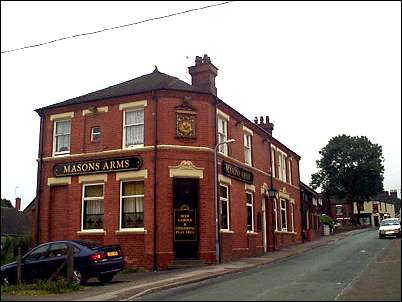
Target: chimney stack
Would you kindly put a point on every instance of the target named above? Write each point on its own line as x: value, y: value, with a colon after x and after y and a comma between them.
x: 203, y: 74
x: 393, y: 194
x: 18, y: 203
x: 267, y: 126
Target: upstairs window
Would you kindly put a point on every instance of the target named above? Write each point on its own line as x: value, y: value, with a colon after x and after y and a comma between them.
x: 282, y: 166
x: 247, y: 148
x: 222, y: 134
x: 62, y: 133
x: 95, y: 134
x: 283, y: 215
x: 133, y: 132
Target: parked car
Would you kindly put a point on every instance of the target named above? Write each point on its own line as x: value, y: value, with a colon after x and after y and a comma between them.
x: 390, y: 227
x: 90, y: 260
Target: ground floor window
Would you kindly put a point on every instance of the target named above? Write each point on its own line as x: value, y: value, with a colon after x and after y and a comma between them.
x: 132, y: 204
x: 292, y: 220
x: 93, y: 206
x: 250, y: 218
x: 283, y: 215
x: 224, y: 200
x: 275, y: 215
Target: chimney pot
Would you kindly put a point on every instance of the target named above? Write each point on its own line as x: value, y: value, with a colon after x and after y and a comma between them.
x: 261, y: 120
x: 256, y: 120
x: 203, y: 74
x: 267, y: 119
x: 18, y: 203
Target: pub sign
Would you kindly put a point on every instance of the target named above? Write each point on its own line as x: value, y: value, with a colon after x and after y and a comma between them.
x: 98, y: 166
x: 185, y: 226
x: 236, y: 172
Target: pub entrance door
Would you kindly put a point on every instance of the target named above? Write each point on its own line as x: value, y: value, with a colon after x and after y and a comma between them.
x: 185, y: 218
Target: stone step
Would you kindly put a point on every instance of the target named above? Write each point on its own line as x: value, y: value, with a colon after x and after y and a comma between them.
x: 186, y: 263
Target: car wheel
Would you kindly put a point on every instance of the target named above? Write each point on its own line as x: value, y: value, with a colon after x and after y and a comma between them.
x: 5, y: 281
x: 106, y: 278
x: 79, y: 278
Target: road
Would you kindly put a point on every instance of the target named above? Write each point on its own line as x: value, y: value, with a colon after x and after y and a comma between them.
x: 359, y: 267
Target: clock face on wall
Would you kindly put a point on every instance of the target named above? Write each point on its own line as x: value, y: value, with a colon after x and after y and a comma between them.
x: 185, y: 126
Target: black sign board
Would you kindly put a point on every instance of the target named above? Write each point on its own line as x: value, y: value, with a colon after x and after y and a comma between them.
x: 236, y: 172
x: 98, y: 166
x: 185, y: 226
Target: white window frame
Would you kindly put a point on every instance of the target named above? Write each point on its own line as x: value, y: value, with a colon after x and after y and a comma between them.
x: 54, y: 137
x: 222, y: 148
x: 283, y: 209
x: 121, y: 204
x: 93, y: 133
x: 247, y: 148
x: 227, y: 204
x: 276, y: 214
x: 252, y: 211
x: 92, y: 198
x: 137, y: 124
x: 282, y: 166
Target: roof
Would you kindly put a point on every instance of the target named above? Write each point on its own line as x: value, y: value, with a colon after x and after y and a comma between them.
x: 14, y: 222
x: 146, y: 83
x: 303, y: 186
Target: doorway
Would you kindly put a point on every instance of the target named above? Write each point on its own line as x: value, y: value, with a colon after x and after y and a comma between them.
x: 185, y: 218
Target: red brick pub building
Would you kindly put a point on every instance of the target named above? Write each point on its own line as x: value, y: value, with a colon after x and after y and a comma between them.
x: 133, y: 164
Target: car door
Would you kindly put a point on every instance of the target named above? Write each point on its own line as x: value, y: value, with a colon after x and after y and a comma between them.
x: 57, y: 255
x: 32, y: 263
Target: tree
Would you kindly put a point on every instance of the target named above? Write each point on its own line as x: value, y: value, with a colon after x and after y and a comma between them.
x: 5, y: 203
x: 350, y: 168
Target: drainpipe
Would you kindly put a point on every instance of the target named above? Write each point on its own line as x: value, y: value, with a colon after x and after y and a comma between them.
x: 155, y: 135
x: 273, y: 200
x: 38, y: 178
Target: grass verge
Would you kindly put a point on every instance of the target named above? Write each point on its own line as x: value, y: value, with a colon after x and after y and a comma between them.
x: 59, y: 286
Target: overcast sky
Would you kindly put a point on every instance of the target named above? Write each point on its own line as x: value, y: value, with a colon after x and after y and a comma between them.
x: 318, y: 69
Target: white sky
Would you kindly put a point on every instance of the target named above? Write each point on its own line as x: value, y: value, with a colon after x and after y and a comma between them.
x: 318, y: 69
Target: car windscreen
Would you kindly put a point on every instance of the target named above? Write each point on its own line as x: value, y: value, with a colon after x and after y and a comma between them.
x: 389, y: 222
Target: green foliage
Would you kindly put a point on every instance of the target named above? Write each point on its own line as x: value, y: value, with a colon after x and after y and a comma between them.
x: 326, y: 220
x: 9, y: 247
x: 350, y: 168
x: 58, y: 286
x: 5, y: 203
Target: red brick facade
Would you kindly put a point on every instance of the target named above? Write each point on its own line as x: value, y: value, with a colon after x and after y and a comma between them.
x: 166, y: 156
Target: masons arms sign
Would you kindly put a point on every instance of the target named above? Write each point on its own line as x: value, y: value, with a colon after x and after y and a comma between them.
x: 236, y: 172
x: 98, y: 166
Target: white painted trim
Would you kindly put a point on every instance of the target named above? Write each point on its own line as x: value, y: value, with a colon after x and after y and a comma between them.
x: 222, y: 114
x: 252, y: 233
x: 59, y: 116
x: 252, y: 211
x: 249, y: 131
x: 131, y: 231
x: 92, y: 178
x: 59, y: 181
x: 98, y: 110
x: 186, y: 169
x: 248, y: 187
x: 92, y: 232
x: 226, y: 231
x: 132, y: 105
x: 225, y: 180
x: 141, y: 174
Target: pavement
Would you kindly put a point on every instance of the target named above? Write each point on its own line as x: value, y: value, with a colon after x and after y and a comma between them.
x: 127, y: 286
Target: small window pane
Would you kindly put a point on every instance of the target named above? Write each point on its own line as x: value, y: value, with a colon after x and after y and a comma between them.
x: 95, y: 133
x: 94, y: 191
x: 223, y: 192
x: 63, y: 127
x: 133, y: 188
x: 135, y: 117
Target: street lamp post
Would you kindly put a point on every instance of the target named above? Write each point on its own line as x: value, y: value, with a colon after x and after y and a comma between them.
x: 217, y: 207
x: 271, y: 194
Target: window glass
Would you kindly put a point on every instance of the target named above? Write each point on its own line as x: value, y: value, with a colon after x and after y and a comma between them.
x: 38, y: 253
x: 249, y: 203
x: 95, y: 133
x: 93, y: 207
x: 58, y: 250
x: 132, y: 204
x: 222, y: 134
x: 223, y: 197
x: 247, y: 148
x: 134, y: 127
x: 62, y: 136
x: 283, y: 215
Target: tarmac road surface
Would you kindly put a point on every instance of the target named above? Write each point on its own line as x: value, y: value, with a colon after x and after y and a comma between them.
x: 359, y: 267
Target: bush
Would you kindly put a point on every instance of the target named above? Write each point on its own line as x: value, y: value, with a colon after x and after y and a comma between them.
x: 326, y: 220
x: 9, y: 247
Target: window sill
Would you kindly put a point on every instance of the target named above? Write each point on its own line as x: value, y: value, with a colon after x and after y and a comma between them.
x: 61, y: 154
x: 133, y: 147
x: 131, y: 231
x: 252, y: 233
x: 286, y: 232
x: 92, y: 232
x: 226, y: 231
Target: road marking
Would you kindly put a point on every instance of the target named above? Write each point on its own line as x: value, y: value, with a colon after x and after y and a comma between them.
x: 363, y: 251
